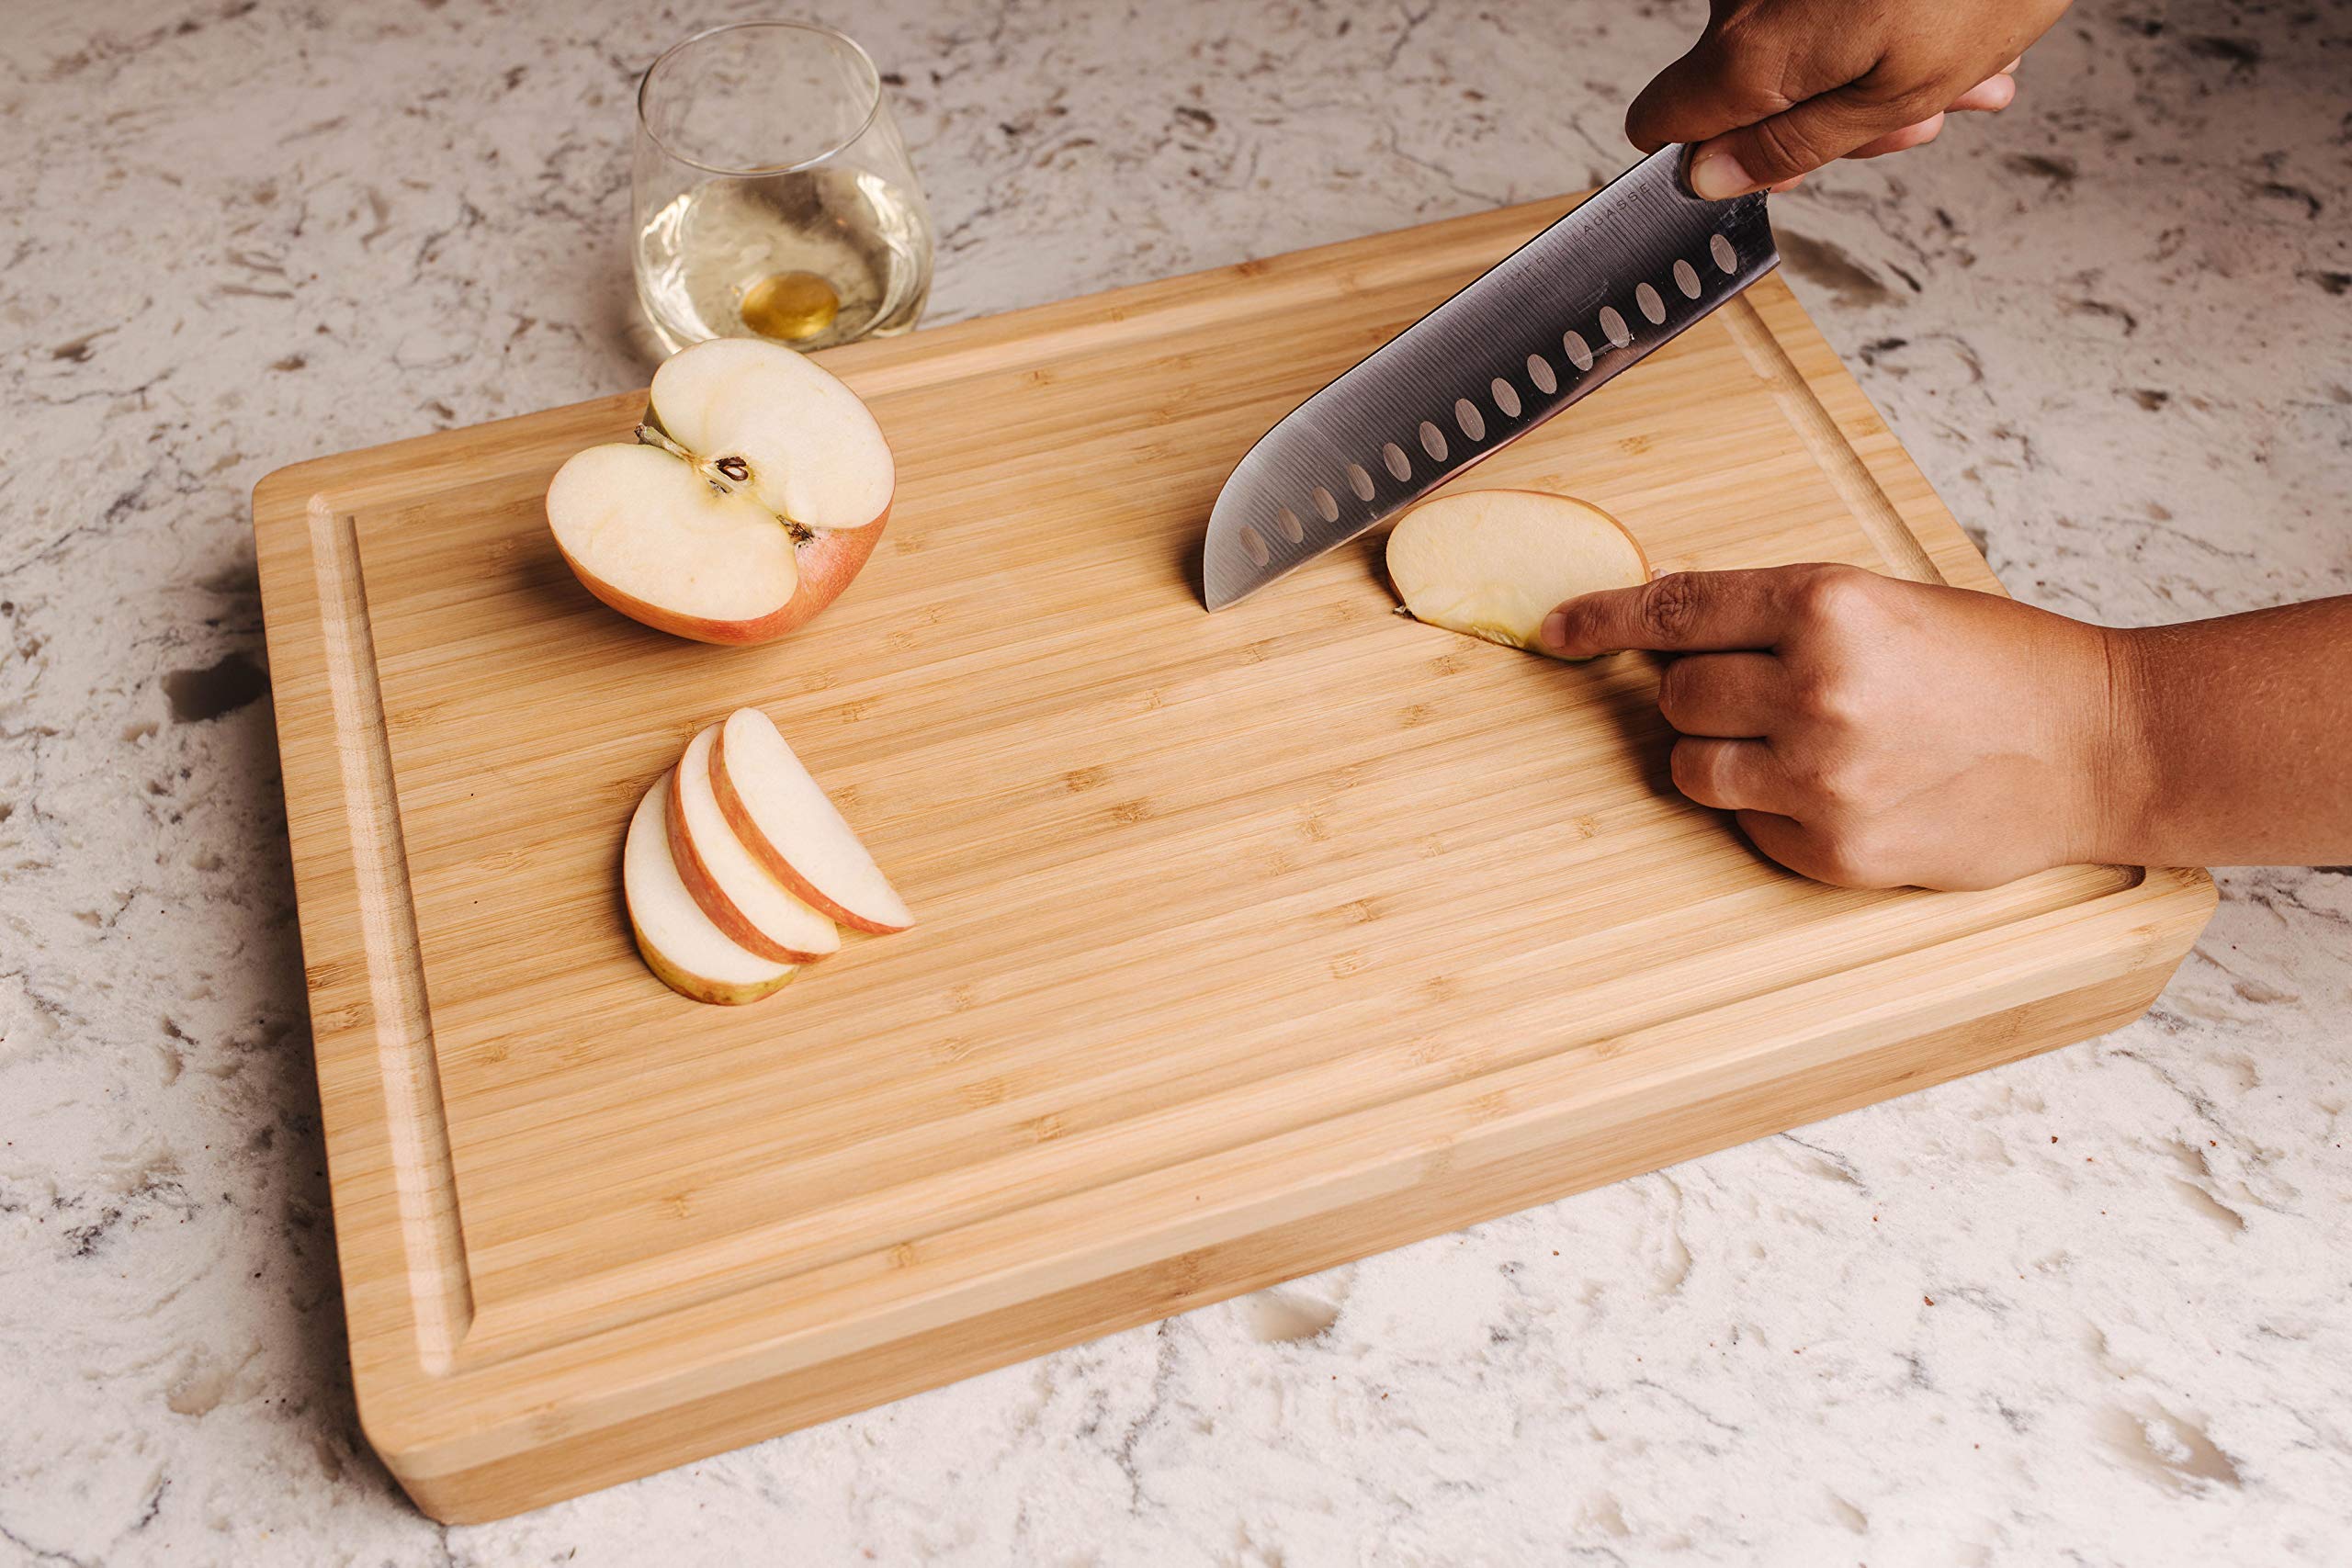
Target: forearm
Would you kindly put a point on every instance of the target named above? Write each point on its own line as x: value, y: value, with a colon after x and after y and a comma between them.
x: 2231, y: 741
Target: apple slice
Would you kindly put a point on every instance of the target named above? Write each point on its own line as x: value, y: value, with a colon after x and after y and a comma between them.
x: 681, y: 946
x: 758, y: 489
x: 783, y: 817
x: 754, y: 908
x: 1493, y: 563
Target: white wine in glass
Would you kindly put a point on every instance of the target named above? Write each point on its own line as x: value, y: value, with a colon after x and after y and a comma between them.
x: 773, y: 198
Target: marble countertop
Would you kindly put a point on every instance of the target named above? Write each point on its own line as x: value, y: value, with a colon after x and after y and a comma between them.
x: 2091, y: 1308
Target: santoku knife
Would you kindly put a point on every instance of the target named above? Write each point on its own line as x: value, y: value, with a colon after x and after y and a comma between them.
x: 1637, y: 264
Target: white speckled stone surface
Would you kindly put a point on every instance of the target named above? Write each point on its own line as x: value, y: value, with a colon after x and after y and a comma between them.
x: 2093, y: 1309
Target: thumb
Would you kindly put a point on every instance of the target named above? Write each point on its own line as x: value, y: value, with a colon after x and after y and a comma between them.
x: 1802, y: 139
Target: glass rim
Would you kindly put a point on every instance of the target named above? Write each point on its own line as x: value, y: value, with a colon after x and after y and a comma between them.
x: 856, y: 50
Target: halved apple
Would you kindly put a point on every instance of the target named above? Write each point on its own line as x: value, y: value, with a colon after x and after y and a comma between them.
x: 682, y: 946
x: 792, y: 827
x: 1493, y: 563
x: 757, y: 490
x: 741, y: 899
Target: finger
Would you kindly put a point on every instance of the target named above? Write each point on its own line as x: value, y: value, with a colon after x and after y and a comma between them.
x: 1683, y: 612
x: 1730, y: 775
x: 1799, y: 140
x: 1699, y: 96
x: 1902, y: 140
x: 1805, y: 850
x: 1785, y: 839
x: 1989, y: 96
x: 1733, y: 696
x: 1736, y: 76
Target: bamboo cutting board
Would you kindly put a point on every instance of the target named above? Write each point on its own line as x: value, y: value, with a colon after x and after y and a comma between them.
x: 1249, y: 944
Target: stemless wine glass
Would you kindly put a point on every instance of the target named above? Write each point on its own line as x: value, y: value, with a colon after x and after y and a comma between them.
x: 772, y: 195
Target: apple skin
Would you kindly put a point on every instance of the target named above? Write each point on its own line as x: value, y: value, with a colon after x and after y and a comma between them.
x: 827, y: 564
x: 747, y: 832
x: 696, y: 986
x: 655, y: 898
x: 706, y: 891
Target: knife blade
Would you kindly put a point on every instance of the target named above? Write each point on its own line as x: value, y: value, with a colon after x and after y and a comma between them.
x: 1637, y: 263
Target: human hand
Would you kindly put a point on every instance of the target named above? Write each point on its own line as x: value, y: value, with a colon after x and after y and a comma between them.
x: 1873, y: 732
x: 1774, y: 89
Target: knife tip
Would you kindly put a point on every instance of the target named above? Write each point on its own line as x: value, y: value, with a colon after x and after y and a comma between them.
x: 1221, y: 589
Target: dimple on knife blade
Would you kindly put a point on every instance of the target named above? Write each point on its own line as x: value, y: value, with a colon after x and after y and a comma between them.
x: 1635, y: 265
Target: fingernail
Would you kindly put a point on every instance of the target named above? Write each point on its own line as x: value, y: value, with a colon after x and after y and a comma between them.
x: 1717, y: 176
x: 1554, y: 631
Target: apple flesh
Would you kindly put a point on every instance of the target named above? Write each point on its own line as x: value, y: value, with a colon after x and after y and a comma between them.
x: 1493, y: 563
x: 792, y: 828
x: 759, y: 488
x: 751, y: 906
x: 680, y: 944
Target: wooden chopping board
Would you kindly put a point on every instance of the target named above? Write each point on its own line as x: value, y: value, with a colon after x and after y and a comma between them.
x: 1249, y: 943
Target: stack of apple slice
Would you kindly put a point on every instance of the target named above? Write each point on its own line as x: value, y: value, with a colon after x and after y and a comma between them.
x: 738, y: 866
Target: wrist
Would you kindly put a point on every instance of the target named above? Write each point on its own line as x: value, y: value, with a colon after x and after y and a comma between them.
x: 2125, y: 768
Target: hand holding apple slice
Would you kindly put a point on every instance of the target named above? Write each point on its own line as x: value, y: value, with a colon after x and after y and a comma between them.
x: 680, y: 944
x: 757, y: 490
x: 1493, y: 563
x: 791, y: 827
